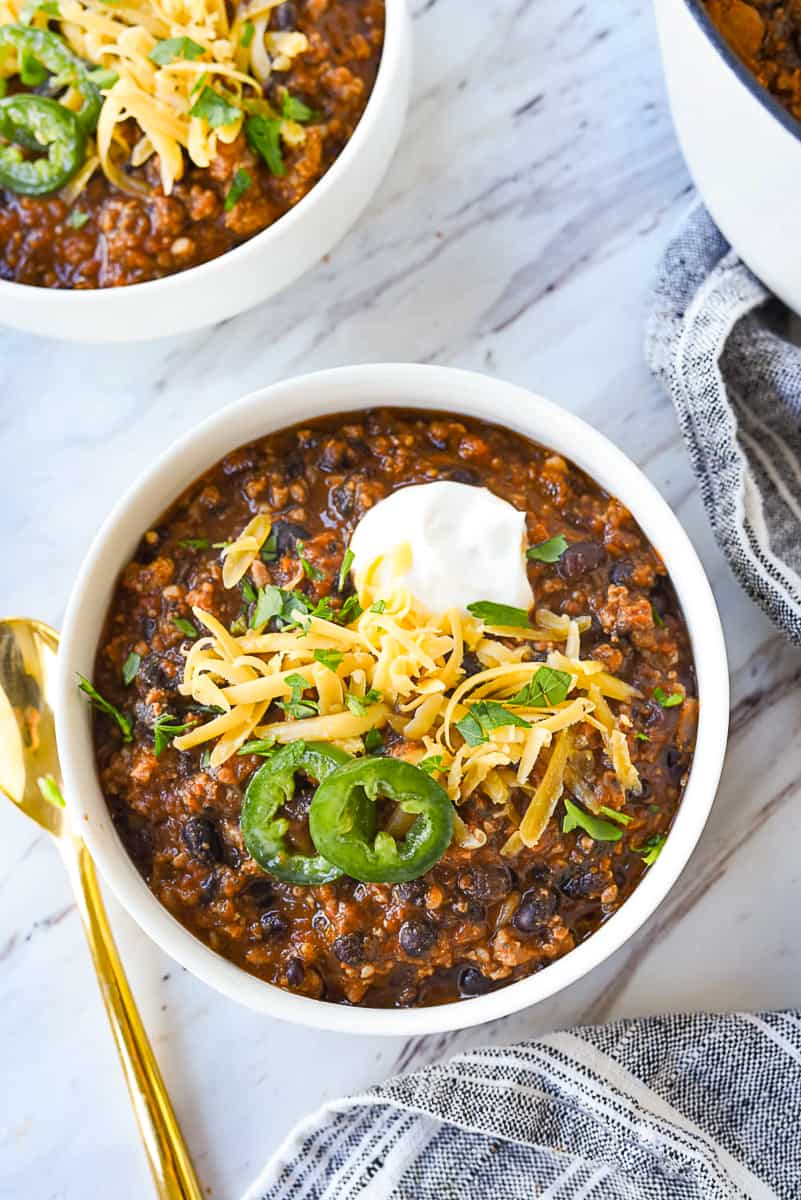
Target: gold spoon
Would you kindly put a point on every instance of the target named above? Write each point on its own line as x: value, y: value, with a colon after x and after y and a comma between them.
x: 30, y: 776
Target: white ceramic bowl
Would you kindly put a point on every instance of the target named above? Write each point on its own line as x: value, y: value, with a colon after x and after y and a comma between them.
x: 337, y: 391
x: 260, y: 267
x: 742, y: 148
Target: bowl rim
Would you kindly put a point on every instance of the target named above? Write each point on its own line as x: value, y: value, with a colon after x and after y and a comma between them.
x: 390, y: 385
x: 766, y: 99
x: 203, y: 273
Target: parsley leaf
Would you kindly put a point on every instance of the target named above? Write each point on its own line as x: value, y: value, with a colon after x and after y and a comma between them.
x: 165, y: 728
x: 214, y: 108
x: 598, y: 829
x: 484, y: 716
x: 195, y: 543
x: 239, y: 185
x: 77, y: 219
x: 104, y: 706
x: 50, y: 790
x: 499, y: 614
x: 432, y: 764
x: 248, y: 29
x: 545, y: 689
x: 360, y: 704
x: 263, y: 746
x: 296, y: 706
x: 170, y: 49
x: 269, y: 551
x: 373, y: 741
x: 293, y: 109
x: 185, y: 627
x: 614, y: 815
x: 651, y: 848
x: 264, y: 137
x: 309, y: 569
x: 130, y: 668
x: 548, y: 552
x: 344, y: 570
x: 329, y: 658
x: 667, y: 701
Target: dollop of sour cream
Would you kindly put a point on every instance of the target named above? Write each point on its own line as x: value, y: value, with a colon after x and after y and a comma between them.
x: 466, y: 544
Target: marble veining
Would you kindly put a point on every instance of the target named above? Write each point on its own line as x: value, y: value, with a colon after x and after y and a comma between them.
x: 516, y: 233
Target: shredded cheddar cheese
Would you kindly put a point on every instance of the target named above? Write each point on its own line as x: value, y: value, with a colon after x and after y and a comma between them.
x: 396, y: 666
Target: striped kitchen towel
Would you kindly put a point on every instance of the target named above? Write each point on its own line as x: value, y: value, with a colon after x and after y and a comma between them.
x: 724, y: 348
x: 695, y: 1107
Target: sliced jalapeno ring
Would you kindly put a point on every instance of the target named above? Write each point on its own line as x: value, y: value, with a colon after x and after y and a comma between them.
x: 343, y: 820
x: 35, y: 120
x: 264, y: 832
x: 51, y: 52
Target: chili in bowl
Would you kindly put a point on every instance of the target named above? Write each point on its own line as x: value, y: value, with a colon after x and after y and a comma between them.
x: 146, y: 146
x: 402, y: 721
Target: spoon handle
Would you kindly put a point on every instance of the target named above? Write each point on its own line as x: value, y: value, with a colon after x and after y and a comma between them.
x: 173, y: 1173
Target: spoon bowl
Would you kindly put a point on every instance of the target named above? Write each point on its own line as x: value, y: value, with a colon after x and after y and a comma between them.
x: 31, y: 779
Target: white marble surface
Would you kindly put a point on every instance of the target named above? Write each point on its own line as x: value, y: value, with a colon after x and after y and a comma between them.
x: 516, y: 233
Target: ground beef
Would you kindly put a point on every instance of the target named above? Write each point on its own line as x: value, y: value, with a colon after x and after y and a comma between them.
x: 477, y: 920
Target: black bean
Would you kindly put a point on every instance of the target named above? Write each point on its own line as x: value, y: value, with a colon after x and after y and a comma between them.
x: 208, y: 888
x: 273, y: 924
x: 285, y: 16
x: 294, y: 464
x: 295, y: 972
x: 413, y: 891
x: 232, y: 856
x: 149, y: 627
x: 150, y: 673
x: 491, y: 882
x: 287, y: 534
x: 470, y: 663
x: 340, y: 499
x: 320, y: 921
x: 533, y: 910
x: 416, y: 937
x: 473, y: 983
x: 620, y: 572
x: 675, y: 763
x: 334, y: 456
x: 260, y: 891
x: 464, y: 475
x: 583, y: 884
x: 202, y: 840
x: 580, y: 558
x: 349, y: 949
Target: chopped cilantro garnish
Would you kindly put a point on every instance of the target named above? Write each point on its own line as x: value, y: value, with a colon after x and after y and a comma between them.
x: 103, y: 77
x: 270, y: 602
x: 499, y: 614
x: 667, y: 701
x: 239, y: 185
x: 258, y: 746
x: 432, y: 764
x: 264, y: 137
x: 293, y: 109
x: 214, y: 108
x: 31, y: 7
x: 50, y: 790
x: 351, y: 611
x: 296, y: 706
x: 651, y: 848
x: 642, y: 737
x: 614, y: 815
x: 248, y: 591
x: 344, y: 570
x: 548, y: 552
x: 185, y: 626
x: 104, y: 706
x: 484, y: 716
x: 329, y: 658
x: 171, y: 49
x: 239, y: 625
x: 248, y: 29
x: 194, y: 543
x: 77, y: 219
x: 360, y: 704
x: 378, y: 607
x: 199, y: 82
x: 205, y: 758
x: 130, y: 667
x: 656, y: 617
x: 373, y: 741
x: 165, y: 728
x: 269, y: 551
x: 546, y: 688
x: 598, y: 829
x: 309, y: 569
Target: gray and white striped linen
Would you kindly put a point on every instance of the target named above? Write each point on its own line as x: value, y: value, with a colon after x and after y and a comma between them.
x: 720, y: 344
x: 695, y: 1107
